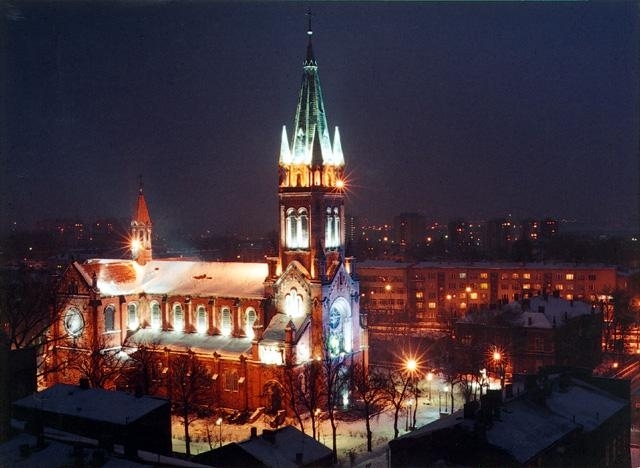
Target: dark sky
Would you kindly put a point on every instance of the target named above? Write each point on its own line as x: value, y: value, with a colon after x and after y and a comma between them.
x: 450, y: 109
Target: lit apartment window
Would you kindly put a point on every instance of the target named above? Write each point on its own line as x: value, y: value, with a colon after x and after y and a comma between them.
x: 569, y: 297
x: 526, y: 275
x: 432, y: 305
x: 419, y: 294
x: 569, y: 276
x: 484, y: 285
x: 462, y: 275
x: 484, y: 275
x: 526, y: 286
x: 463, y: 305
x: 559, y: 287
x: 473, y: 295
x: 515, y: 276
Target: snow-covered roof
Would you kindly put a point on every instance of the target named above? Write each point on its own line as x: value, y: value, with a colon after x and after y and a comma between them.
x: 275, y: 331
x: 526, y: 428
x: 535, y: 312
x: 177, y: 277
x: 92, y: 403
x: 281, y: 451
x: 201, y: 343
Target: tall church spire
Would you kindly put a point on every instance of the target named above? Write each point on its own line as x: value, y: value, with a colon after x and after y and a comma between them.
x: 141, y: 230
x: 311, y: 170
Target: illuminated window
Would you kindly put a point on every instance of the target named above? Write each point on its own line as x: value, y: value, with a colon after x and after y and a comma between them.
x: 526, y: 286
x: 251, y: 320
x: 419, y: 294
x: 526, y: 275
x: 484, y: 285
x: 432, y: 305
x: 569, y: 297
x: 156, y: 318
x: 293, y: 304
x: 569, y: 276
x: 473, y: 295
x: 515, y: 276
x: 559, y: 287
x: 297, y: 228
x: 201, y: 319
x: 109, y: 318
x: 462, y: 275
x: 132, y: 316
x: 484, y: 275
x: 332, y: 228
x: 225, y: 322
x: 178, y: 317
x: 463, y: 305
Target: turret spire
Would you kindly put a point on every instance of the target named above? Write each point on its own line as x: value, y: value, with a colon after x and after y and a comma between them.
x: 141, y: 230
x: 310, y: 61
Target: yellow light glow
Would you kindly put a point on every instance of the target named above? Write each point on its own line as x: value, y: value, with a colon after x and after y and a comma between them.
x: 135, y: 244
x: 412, y: 365
x: 340, y: 183
x: 497, y: 356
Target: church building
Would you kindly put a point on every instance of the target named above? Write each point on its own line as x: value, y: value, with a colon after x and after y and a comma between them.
x: 244, y: 321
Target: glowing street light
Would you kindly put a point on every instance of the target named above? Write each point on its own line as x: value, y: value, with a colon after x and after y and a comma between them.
x: 219, y: 424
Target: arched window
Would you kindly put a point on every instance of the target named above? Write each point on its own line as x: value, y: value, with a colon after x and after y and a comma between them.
x: 332, y: 228
x: 132, y: 316
x: 303, y: 223
x: 297, y: 228
x: 156, y: 317
x: 250, y: 320
x: 178, y: 317
x: 201, y: 319
x: 225, y: 323
x: 292, y: 229
x: 109, y: 318
x: 293, y: 304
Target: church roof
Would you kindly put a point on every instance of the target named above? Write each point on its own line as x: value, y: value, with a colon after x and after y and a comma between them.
x: 176, y: 277
x: 197, y: 342
x: 275, y: 331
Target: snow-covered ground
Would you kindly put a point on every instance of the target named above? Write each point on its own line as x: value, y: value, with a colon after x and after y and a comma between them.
x: 351, y: 434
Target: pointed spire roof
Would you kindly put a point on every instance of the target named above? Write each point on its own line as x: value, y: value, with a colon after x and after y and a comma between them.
x: 310, y: 122
x: 141, y: 213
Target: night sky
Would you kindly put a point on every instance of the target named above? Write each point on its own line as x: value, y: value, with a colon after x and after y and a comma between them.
x: 472, y: 110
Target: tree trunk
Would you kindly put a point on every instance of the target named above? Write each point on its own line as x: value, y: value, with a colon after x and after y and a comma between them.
x: 396, y: 432
x: 367, y: 423
x: 334, y: 437
x: 187, y: 440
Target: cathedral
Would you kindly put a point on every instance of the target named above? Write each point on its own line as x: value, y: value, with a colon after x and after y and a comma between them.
x: 244, y: 321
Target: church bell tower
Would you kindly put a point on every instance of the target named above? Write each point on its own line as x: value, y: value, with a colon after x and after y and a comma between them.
x: 141, y: 231
x: 311, y: 185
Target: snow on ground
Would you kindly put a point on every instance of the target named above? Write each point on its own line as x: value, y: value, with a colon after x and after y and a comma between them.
x: 351, y: 434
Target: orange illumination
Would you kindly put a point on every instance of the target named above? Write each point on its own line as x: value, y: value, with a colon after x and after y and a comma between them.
x: 496, y: 356
x: 340, y: 183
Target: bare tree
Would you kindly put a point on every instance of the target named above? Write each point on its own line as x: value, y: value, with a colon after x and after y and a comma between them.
x: 99, y: 364
x: 28, y: 308
x: 305, y: 391
x: 449, y: 364
x: 190, y: 389
x: 368, y: 386
x: 143, y: 372
x: 292, y: 380
x: 397, y: 389
x: 334, y: 380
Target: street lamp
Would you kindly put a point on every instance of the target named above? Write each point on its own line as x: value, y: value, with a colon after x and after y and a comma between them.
x: 499, y: 365
x: 409, y: 406
x: 411, y: 365
x: 219, y: 424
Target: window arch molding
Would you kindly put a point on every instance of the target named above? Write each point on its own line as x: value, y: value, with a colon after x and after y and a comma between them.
x: 297, y: 228
x: 110, y: 318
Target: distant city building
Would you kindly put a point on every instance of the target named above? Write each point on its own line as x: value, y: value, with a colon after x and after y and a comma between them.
x: 244, y: 321
x: 409, y: 229
x: 417, y: 302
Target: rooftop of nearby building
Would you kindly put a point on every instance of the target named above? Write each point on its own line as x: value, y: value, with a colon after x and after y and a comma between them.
x: 92, y: 403
x: 543, y: 311
x: 284, y: 447
x: 525, y: 427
